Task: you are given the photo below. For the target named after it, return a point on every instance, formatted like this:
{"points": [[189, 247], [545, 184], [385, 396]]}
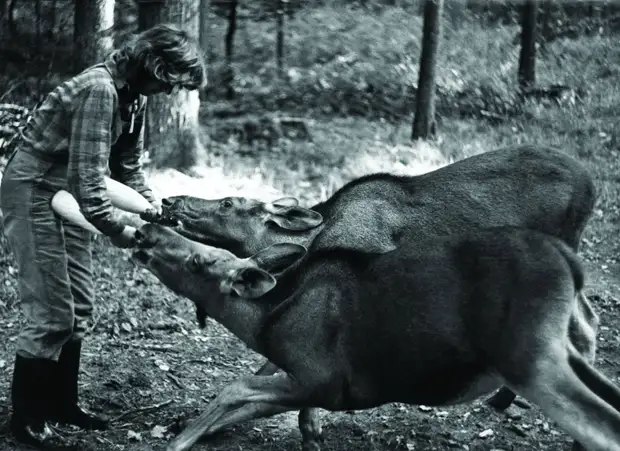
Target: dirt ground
{"points": [[149, 367]]}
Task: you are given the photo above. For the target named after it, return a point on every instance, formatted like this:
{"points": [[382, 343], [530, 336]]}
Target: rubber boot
{"points": [[67, 409], [30, 393]]}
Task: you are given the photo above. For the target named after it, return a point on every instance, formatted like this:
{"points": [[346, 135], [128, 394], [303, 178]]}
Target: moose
{"points": [[354, 330], [528, 186]]}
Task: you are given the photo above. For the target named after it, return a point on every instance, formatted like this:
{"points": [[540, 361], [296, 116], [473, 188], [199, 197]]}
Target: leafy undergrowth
{"points": [[346, 61]]}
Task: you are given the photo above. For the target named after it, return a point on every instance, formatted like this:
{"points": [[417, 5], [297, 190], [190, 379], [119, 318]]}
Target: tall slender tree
{"points": [[92, 31], [203, 31], [229, 46], [424, 125], [172, 135], [125, 21], [280, 10], [527, 57]]}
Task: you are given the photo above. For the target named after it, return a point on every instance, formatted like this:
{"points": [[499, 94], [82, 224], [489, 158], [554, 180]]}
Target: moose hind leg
{"points": [[567, 400], [583, 328], [582, 332]]}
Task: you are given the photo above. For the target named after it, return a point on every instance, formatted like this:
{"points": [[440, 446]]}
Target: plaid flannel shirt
{"points": [[86, 124]]}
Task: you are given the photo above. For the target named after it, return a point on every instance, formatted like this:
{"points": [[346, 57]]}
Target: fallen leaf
{"points": [[162, 365], [131, 435], [485, 433], [158, 431]]}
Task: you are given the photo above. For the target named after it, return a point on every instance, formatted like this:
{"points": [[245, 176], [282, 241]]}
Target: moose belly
{"points": [[449, 385], [448, 388], [480, 386]]}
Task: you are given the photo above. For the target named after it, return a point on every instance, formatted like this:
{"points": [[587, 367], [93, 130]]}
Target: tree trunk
{"points": [[424, 120], [204, 32], [527, 58], [52, 32], [92, 32], [172, 129], [39, 47], [10, 18], [280, 36], [229, 75], [125, 21]]}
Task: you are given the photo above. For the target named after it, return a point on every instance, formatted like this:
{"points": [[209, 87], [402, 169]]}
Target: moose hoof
{"points": [[502, 399]]}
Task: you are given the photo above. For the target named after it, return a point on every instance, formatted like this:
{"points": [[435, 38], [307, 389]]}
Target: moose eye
{"points": [[226, 204], [194, 263]]}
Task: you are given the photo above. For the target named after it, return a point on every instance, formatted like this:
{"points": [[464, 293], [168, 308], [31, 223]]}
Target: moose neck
{"points": [[243, 318], [304, 238]]}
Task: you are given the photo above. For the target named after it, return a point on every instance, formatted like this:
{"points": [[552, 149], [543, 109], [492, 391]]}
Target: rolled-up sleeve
{"points": [[89, 152], [125, 163]]}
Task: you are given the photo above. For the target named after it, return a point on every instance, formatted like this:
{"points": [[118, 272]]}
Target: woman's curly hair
{"points": [[167, 54]]}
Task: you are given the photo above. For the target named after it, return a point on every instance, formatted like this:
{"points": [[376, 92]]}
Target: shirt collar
{"points": [[112, 68]]}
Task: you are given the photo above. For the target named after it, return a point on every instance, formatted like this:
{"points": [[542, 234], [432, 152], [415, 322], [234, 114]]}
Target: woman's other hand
{"points": [[125, 239]]}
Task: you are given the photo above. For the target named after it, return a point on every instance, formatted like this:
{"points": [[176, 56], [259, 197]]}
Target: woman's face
{"points": [[145, 84], [151, 87]]}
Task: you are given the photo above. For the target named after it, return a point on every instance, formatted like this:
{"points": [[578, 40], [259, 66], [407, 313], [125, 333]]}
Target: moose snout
{"points": [[146, 236], [138, 237], [172, 202]]}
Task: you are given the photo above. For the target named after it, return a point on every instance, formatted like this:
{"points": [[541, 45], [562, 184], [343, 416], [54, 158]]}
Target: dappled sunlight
{"points": [[415, 159], [210, 183], [216, 182], [400, 159]]}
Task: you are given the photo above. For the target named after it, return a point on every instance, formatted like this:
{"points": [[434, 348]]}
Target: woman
{"points": [[89, 124]]}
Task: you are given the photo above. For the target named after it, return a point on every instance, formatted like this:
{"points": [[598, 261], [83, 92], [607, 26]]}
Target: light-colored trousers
{"points": [[54, 257]]}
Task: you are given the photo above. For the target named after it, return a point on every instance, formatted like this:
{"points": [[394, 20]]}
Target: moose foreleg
{"points": [[246, 399]]}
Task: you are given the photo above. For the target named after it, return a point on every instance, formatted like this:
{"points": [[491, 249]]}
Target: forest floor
{"points": [[147, 365]]}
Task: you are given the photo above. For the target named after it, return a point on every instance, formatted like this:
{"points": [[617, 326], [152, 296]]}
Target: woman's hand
{"points": [[125, 239], [156, 203], [153, 214]]}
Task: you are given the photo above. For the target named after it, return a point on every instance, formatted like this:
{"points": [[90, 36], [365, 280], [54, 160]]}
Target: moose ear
{"points": [[279, 257], [251, 283], [283, 203], [297, 219]]}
